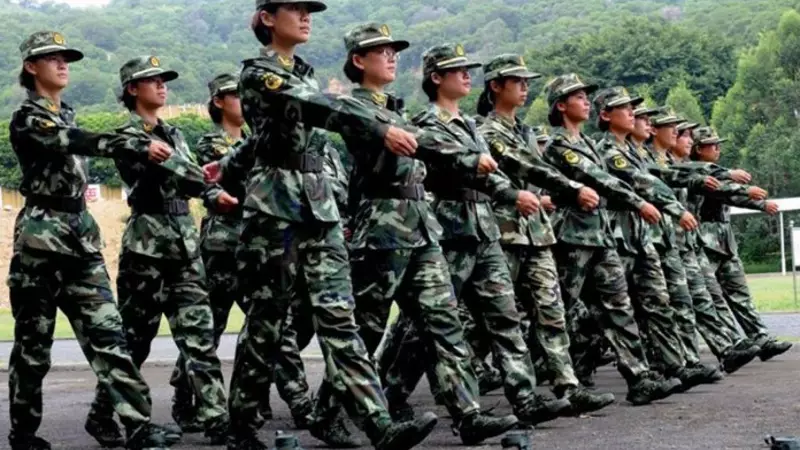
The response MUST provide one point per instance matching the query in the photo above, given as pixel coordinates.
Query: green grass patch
(64, 329)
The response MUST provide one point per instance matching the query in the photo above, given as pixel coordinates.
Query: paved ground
(66, 352)
(734, 414)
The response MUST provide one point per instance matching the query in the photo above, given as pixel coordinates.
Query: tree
(683, 101)
(537, 113)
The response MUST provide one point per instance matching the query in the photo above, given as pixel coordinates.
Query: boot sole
(498, 432)
(411, 441)
(107, 443)
(741, 364)
(772, 355)
(586, 409)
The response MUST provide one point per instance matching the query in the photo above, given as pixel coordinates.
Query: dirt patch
(110, 216)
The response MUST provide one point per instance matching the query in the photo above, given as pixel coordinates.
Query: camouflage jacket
(513, 146)
(460, 218)
(578, 159)
(339, 178)
(393, 223)
(220, 230)
(624, 162)
(712, 209)
(52, 152)
(287, 113)
(178, 178)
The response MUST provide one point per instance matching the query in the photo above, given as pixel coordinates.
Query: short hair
(128, 99)
(261, 31)
(214, 111)
(430, 88)
(353, 73)
(27, 80)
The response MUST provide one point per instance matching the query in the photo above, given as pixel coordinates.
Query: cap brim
(70, 54)
(398, 45)
(315, 7)
(461, 65)
(588, 88)
(166, 76)
(646, 112)
(669, 122)
(688, 126)
(633, 101)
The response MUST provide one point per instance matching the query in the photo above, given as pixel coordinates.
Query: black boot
(104, 429)
(334, 432)
(184, 413)
(406, 435)
(773, 348)
(477, 427)
(543, 409)
(582, 400)
(28, 443)
(149, 436)
(734, 359)
(650, 387)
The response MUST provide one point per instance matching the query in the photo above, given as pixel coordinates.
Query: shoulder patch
(272, 82)
(498, 146)
(571, 157)
(620, 162)
(45, 124)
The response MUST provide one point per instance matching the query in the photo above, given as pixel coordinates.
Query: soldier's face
(511, 91)
(708, 152)
(620, 118)
(291, 23)
(576, 107)
(454, 84)
(379, 64)
(666, 135)
(51, 71)
(641, 128)
(150, 92)
(231, 108)
(683, 145)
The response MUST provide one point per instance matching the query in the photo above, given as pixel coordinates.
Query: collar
(136, 121)
(445, 115)
(229, 140)
(511, 125)
(288, 64)
(46, 103)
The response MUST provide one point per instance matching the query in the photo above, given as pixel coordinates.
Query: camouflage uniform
(56, 261)
(719, 243)
(160, 268)
(292, 242)
(586, 249)
(478, 268)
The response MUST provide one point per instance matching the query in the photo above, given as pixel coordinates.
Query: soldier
(637, 241)
(527, 241)
(56, 260)
(586, 250)
(292, 241)
(394, 250)
(160, 268)
(708, 322)
(478, 268)
(720, 247)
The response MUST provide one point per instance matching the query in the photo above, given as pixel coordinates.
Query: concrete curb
(154, 363)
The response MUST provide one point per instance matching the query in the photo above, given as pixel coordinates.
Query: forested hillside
(202, 37)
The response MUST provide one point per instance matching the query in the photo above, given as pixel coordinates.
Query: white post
(794, 265)
(783, 247)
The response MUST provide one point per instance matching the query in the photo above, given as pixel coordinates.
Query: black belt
(169, 207)
(302, 162)
(402, 191)
(466, 195)
(70, 205)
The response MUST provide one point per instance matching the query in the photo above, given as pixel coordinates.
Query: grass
(772, 293)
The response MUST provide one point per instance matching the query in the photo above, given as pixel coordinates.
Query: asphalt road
(736, 413)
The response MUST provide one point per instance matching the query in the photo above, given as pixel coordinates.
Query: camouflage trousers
(419, 281)
(223, 291)
(718, 298)
(587, 338)
(290, 373)
(680, 298)
(596, 276)
(482, 283)
(709, 325)
(283, 261)
(647, 288)
(41, 281)
(149, 287)
(736, 297)
(533, 271)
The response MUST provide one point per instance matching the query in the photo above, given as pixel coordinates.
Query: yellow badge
(154, 61)
(46, 124)
(384, 30)
(499, 147)
(52, 107)
(228, 140)
(459, 50)
(620, 162)
(444, 116)
(571, 157)
(220, 149)
(286, 62)
(379, 98)
(58, 39)
(272, 81)
(147, 128)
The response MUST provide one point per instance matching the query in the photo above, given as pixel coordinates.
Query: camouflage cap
(223, 84)
(666, 117)
(46, 43)
(372, 34)
(144, 67)
(313, 6)
(706, 136)
(446, 57)
(687, 126)
(563, 85)
(507, 65)
(644, 110)
(613, 97)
